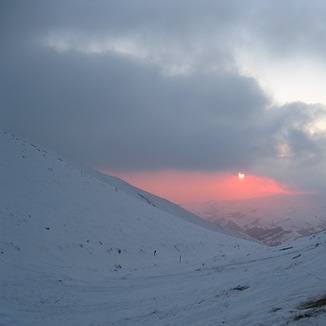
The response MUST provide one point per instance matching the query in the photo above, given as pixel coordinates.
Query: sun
(241, 175)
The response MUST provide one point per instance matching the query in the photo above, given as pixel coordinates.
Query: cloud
(291, 27)
(148, 87)
(130, 116)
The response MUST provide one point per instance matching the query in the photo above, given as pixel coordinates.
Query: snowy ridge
(79, 250)
(165, 205)
(50, 201)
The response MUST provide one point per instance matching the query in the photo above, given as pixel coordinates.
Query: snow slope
(272, 220)
(80, 248)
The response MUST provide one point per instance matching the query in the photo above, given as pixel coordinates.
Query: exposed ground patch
(312, 308)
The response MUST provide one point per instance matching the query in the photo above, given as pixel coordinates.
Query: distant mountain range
(272, 220)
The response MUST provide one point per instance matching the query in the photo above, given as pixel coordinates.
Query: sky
(172, 95)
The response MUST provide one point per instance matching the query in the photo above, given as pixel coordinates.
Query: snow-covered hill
(273, 219)
(81, 248)
(91, 218)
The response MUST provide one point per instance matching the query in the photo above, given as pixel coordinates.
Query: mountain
(90, 215)
(81, 248)
(272, 220)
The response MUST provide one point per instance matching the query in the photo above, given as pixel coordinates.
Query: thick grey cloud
(125, 115)
(291, 27)
(301, 147)
(146, 86)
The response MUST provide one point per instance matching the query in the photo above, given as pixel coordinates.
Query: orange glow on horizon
(194, 187)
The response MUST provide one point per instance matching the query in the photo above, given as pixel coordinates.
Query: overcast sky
(199, 86)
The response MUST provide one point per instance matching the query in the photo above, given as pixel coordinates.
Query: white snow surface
(81, 248)
(272, 219)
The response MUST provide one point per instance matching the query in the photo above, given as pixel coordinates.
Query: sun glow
(241, 175)
(197, 187)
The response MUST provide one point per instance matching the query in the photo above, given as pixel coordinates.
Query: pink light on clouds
(195, 187)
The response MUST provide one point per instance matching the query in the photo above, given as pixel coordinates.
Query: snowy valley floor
(269, 286)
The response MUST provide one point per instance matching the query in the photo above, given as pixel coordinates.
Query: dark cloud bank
(166, 94)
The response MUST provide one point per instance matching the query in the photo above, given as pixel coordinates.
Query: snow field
(81, 248)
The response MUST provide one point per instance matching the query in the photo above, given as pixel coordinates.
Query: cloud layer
(140, 86)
